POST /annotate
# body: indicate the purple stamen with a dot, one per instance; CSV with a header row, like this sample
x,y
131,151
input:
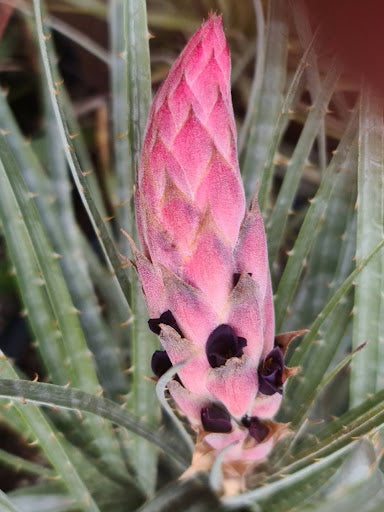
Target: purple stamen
x,y
257,429
222,344
165,318
215,419
271,373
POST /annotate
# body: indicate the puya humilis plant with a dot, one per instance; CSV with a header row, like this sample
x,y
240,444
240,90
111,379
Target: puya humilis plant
x,y
93,475
204,263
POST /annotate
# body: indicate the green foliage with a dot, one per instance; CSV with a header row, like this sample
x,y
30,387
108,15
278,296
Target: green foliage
x,y
368,308
101,444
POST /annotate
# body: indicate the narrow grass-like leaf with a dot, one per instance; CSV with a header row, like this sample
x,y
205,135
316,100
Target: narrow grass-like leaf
x,y
94,7
20,464
77,144
139,75
142,400
302,350
300,414
131,82
123,165
6,505
34,294
367,324
310,227
75,136
365,418
287,483
257,82
84,181
356,486
335,327
119,316
103,486
160,391
18,204
270,96
303,28
359,464
366,496
69,243
123,46
64,311
75,399
279,128
133,77
314,358
338,435
68,31
10,419
278,219
331,258
80,175
33,502
51,446
301,491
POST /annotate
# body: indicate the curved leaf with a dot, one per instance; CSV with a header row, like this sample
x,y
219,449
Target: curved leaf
x,y
75,399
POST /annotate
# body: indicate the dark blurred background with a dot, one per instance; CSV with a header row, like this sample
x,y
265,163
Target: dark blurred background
x,y
354,30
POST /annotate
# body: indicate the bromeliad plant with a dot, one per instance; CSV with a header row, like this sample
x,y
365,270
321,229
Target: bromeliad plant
x,y
100,441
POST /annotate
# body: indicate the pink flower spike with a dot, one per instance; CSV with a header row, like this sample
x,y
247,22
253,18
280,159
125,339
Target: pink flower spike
x,y
204,270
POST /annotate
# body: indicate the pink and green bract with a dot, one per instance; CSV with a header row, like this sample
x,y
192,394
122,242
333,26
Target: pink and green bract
x,y
204,263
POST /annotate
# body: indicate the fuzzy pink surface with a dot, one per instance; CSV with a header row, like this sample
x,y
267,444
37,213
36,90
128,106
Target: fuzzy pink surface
x,y
196,235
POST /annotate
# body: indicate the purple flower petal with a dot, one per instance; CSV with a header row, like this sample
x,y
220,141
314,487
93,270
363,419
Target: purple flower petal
x,y
222,344
160,363
257,429
271,373
165,318
215,419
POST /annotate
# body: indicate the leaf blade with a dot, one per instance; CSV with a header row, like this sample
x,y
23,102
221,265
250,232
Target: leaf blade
x,y
367,320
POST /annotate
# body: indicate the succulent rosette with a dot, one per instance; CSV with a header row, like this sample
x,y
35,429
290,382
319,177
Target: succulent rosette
x,y
204,263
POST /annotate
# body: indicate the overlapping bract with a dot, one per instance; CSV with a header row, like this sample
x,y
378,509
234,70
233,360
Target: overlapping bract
x,y
204,266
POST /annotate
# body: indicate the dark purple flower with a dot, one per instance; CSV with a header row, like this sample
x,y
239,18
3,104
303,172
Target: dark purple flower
x,y
215,419
165,318
222,344
271,373
160,363
257,429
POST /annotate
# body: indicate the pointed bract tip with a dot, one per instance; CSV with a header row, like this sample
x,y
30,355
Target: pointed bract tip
x,y
284,339
214,19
